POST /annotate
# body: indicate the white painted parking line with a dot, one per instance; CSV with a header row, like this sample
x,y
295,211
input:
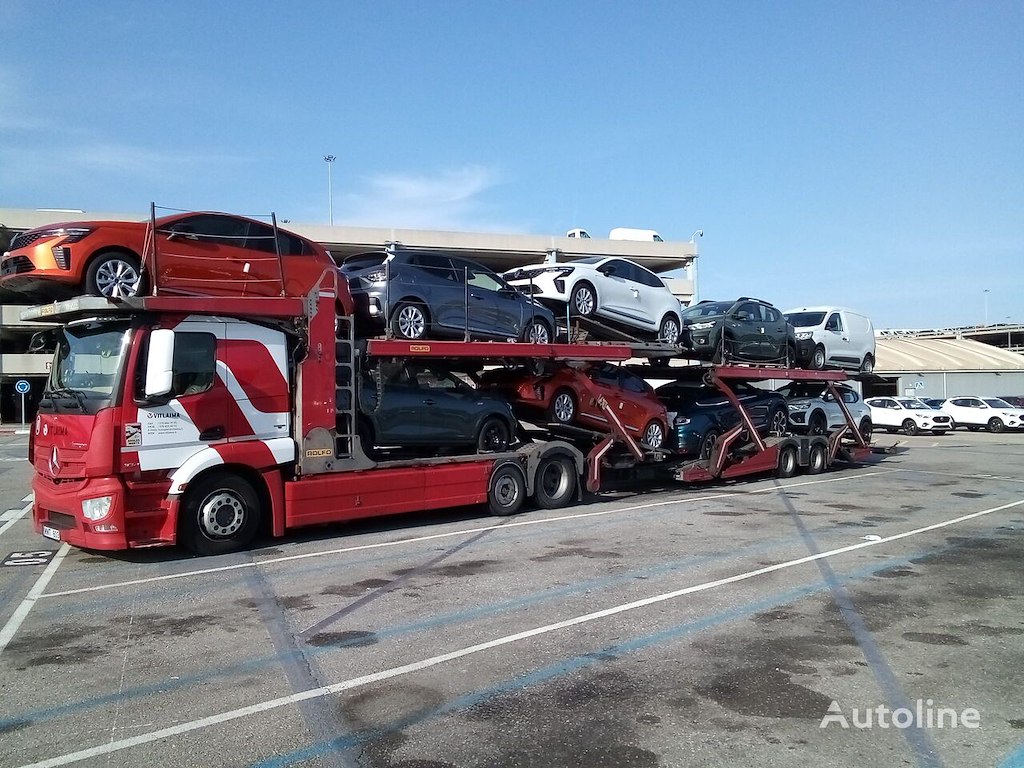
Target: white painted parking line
x,y
11,516
13,623
405,669
30,497
461,532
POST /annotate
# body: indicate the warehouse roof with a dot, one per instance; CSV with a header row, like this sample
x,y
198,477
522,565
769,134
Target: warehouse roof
x,y
923,355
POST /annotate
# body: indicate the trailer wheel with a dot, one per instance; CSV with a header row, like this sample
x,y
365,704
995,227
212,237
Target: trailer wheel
x,y
787,461
507,490
816,459
493,436
409,321
563,406
910,427
995,424
220,513
555,482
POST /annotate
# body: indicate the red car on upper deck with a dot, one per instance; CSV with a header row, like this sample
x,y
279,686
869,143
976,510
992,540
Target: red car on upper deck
x,y
568,395
204,253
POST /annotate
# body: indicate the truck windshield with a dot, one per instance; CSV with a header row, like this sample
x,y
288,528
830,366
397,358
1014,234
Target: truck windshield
x,y
86,367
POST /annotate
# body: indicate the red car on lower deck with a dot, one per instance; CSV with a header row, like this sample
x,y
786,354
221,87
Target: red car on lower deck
x,y
568,395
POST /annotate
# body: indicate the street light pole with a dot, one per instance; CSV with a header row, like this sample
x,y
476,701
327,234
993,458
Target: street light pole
x,y
986,307
329,159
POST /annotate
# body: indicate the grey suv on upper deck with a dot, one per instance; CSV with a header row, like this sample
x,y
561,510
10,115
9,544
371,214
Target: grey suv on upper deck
x,y
424,294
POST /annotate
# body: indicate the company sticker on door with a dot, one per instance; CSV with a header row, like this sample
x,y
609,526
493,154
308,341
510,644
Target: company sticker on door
x,y
133,435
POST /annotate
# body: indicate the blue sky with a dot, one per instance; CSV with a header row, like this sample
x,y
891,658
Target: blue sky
x,y
869,154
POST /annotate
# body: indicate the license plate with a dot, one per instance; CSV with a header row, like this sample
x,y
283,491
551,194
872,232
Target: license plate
x,y
51,533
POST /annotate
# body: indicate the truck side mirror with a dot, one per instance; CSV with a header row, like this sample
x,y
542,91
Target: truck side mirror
x,y
160,363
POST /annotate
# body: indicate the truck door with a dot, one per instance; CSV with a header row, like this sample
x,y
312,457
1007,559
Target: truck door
x,y
193,415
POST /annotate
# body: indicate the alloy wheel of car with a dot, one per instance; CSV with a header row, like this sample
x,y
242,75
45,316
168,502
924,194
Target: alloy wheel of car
x,y
115,277
818,425
818,358
909,426
669,331
868,365
563,406
410,322
865,429
537,333
995,424
707,444
778,422
654,434
584,300
493,436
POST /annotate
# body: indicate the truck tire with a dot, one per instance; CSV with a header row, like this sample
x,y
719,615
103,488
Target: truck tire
x,y
220,513
506,491
493,436
817,459
555,482
787,461
410,321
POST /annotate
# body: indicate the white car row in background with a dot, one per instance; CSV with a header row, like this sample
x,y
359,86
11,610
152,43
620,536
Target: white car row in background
x,y
909,414
991,413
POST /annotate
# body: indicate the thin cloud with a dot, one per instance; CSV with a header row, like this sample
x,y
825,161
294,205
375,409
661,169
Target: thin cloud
x,y
451,200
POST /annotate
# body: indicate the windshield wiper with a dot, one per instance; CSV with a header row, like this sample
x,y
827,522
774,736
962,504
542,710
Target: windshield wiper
x,y
68,393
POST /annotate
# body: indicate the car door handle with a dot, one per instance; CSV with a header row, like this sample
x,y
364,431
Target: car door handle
x,y
478,298
428,401
212,433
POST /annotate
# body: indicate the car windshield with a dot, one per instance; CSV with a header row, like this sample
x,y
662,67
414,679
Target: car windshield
x,y
805,319
707,309
914,405
995,402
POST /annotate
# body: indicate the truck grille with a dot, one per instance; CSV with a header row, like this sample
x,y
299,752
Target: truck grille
x,y
61,520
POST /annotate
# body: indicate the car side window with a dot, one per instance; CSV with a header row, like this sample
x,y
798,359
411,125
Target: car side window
x,y
484,278
748,312
215,229
834,323
632,383
439,267
772,315
260,238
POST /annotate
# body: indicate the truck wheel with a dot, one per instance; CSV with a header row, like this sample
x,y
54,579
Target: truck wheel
x,y
787,461
563,406
537,332
507,490
220,513
818,425
555,482
669,330
818,358
409,321
114,276
816,459
910,427
493,436
583,300
995,424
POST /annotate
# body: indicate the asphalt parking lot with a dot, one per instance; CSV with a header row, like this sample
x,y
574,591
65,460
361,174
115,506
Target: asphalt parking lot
x,y
701,626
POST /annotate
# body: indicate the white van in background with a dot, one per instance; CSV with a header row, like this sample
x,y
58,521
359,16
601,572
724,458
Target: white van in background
x,y
578,233
833,337
625,233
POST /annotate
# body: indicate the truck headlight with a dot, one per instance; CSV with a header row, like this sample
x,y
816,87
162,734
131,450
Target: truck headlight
x,y
96,509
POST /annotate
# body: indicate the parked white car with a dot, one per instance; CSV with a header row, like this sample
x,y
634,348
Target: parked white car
x,y
992,413
909,414
813,410
606,287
